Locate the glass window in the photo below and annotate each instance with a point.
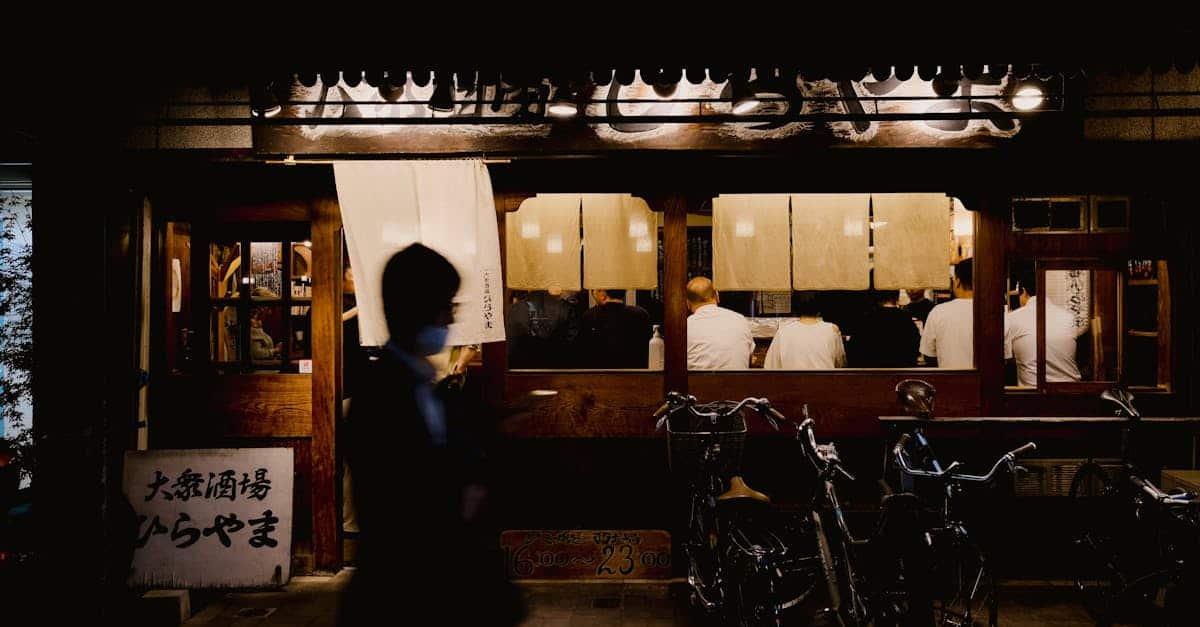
(583, 273)
(863, 279)
(260, 309)
(1065, 325)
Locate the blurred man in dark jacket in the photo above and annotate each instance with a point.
(416, 482)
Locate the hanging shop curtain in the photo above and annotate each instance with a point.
(830, 246)
(911, 231)
(750, 242)
(542, 243)
(445, 205)
(620, 243)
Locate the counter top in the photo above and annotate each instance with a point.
(1039, 419)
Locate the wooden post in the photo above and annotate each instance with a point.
(326, 335)
(990, 284)
(675, 209)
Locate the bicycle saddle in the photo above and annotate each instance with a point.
(739, 490)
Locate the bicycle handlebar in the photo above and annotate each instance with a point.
(1158, 495)
(676, 402)
(948, 473)
(824, 462)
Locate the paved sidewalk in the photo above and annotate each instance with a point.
(313, 601)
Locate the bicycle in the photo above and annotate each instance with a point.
(735, 553)
(867, 579)
(1138, 547)
(960, 580)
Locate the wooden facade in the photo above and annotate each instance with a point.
(611, 409)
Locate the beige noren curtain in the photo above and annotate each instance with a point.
(911, 231)
(620, 243)
(830, 245)
(750, 242)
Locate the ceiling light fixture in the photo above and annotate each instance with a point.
(1028, 97)
(744, 99)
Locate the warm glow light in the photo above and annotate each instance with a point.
(746, 105)
(852, 228)
(638, 228)
(563, 109)
(530, 229)
(554, 244)
(644, 245)
(744, 228)
(964, 221)
(1028, 98)
(878, 224)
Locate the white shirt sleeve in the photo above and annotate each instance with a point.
(839, 349)
(929, 337)
(774, 360)
(1008, 337)
(749, 341)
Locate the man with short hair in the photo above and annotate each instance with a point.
(404, 450)
(1020, 336)
(918, 306)
(717, 338)
(613, 334)
(888, 337)
(948, 340)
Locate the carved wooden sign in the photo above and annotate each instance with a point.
(791, 112)
(587, 554)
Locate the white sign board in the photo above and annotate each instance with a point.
(211, 517)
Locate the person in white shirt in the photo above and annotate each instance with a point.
(1020, 337)
(948, 338)
(717, 338)
(809, 343)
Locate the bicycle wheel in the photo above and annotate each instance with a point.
(842, 600)
(703, 564)
(967, 590)
(1093, 500)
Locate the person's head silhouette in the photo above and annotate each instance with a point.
(418, 291)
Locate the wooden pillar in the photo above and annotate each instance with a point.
(991, 274)
(326, 336)
(675, 209)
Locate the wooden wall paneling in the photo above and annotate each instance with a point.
(262, 405)
(280, 211)
(991, 274)
(843, 404)
(326, 333)
(588, 405)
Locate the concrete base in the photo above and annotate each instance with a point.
(164, 607)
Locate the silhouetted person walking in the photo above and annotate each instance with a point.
(415, 479)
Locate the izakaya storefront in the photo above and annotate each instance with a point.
(551, 193)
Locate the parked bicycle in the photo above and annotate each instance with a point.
(750, 564)
(1139, 547)
(959, 578)
(739, 558)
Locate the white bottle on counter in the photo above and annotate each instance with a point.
(658, 351)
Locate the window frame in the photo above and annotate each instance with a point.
(286, 234)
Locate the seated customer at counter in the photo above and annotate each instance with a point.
(808, 343)
(887, 337)
(613, 334)
(1020, 337)
(948, 339)
(718, 338)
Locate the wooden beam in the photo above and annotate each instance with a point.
(991, 276)
(326, 332)
(675, 210)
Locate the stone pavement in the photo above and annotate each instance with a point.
(313, 601)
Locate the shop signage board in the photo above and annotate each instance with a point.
(587, 554)
(211, 518)
(337, 119)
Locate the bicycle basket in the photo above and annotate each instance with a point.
(687, 437)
